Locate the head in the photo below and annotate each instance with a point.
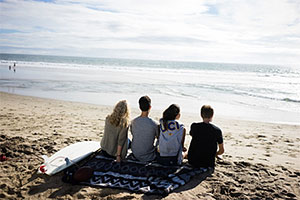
(207, 112)
(145, 103)
(171, 113)
(120, 114)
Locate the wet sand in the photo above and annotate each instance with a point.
(261, 160)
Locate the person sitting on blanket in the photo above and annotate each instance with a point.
(144, 130)
(171, 138)
(115, 139)
(206, 139)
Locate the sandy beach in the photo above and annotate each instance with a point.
(261, 160)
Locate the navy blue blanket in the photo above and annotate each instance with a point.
(150, 178)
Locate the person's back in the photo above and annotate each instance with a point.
(171, 137)
(114, 140)
(113, 137)
(170, 140)
(144, 131)
(206, 140)
(203, 147)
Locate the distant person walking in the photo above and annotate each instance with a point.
(14, 67)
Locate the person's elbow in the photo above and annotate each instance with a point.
(221, 149)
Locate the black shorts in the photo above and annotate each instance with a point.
(167, 160)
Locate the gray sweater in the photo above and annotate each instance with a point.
(114, 136)
(143, 130)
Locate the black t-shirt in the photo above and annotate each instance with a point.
(204, 144)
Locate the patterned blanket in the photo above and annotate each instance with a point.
(149, 178)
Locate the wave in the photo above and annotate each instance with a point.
(291, 100)
(275, 95)
(118, 63)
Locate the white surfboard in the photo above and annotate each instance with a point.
(68, 156)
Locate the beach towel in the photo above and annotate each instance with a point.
(149, 178)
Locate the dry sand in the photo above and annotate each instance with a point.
(262, 160)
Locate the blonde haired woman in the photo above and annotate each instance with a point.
(115, 139)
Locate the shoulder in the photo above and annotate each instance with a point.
(180, 123)
(195, 125)
(109, 127)
(148, 120)
(217, 129)
(136, 119)
(153, 121)
(107, 122)
(144, 120)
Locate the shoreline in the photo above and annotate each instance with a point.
(260, 160)
(134, 105)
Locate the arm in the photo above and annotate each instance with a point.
(182, 141)
(220, 143)
(119, 150)
(191, 129)
(220, 151)
(130, 129)
(122, 139)
(158, 131)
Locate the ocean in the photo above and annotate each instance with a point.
(269, 93)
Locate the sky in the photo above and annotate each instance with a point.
(234, 31)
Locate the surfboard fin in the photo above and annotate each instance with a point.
(68, 162)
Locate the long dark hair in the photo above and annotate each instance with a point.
(170, 114)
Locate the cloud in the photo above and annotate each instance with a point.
(223, 31)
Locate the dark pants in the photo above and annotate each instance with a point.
(166, 160)
(104, 153)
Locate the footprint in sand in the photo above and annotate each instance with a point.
(292, 155)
